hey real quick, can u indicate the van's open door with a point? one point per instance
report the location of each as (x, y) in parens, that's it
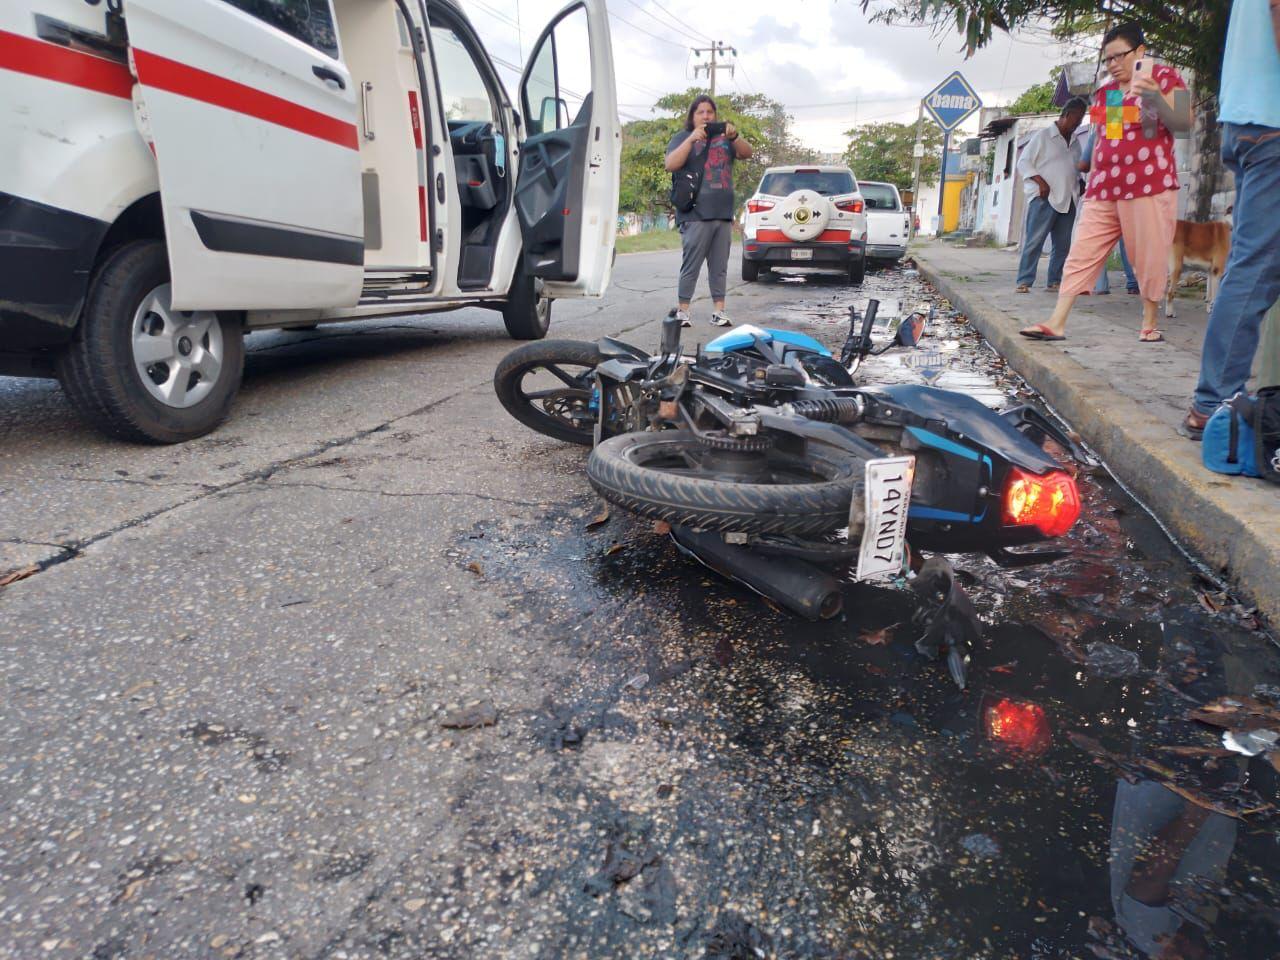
(253, 124)
(567, 189)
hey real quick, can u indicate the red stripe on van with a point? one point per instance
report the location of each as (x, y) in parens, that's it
(165, 74)
(415, 119)
(64, 65)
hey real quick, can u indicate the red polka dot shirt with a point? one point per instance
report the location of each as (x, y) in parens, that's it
(1134, 166)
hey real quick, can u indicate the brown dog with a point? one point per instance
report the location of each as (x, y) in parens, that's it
(1203, 245)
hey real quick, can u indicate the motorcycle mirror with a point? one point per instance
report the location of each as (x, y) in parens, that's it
(670, 335)
(911, 330)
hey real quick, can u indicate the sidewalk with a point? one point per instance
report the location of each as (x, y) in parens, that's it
(1126, 399)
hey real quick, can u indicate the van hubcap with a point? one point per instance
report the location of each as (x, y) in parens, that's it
(178, 354)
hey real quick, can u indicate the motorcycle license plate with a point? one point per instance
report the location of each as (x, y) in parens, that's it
(884, 535)
(801, 254)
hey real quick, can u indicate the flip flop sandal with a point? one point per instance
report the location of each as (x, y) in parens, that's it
(1040, 332)
(1052, 288)
(1150, 336)
(1022, 288)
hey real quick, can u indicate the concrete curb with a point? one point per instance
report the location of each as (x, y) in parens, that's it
(1232, 524)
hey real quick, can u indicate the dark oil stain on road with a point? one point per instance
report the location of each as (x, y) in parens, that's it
(827, 792)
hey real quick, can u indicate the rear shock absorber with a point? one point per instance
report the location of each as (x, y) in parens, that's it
(833, 410)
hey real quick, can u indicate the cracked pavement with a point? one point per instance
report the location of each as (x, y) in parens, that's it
(290, 587)
(358, 675)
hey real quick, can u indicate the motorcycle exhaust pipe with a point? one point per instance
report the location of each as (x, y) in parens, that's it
(795, 584)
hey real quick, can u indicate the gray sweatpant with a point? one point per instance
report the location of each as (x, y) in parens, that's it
(704, 240)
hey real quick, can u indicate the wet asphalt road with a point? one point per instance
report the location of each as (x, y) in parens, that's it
(227, 690)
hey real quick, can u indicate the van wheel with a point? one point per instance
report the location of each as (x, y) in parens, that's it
(750, 270)
(140, 370)
(526, 313)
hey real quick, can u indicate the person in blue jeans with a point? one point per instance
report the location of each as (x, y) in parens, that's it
(1103, 286)
(1048, 165)
(1249, 108)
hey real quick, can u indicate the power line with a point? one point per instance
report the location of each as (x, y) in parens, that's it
(701, 36)
(662, 23)
(614, 16)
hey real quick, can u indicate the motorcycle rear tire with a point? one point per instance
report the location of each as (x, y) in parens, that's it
(507, 382)
(618, 472)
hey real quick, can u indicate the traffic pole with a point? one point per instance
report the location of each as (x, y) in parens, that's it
(942, 178)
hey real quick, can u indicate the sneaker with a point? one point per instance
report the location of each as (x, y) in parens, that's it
(718, 319)
(683, 317)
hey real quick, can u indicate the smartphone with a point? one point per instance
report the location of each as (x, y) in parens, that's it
(1139, 69)
(715, 129)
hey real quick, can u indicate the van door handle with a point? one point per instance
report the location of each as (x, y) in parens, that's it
(440, 187)
(327, 73)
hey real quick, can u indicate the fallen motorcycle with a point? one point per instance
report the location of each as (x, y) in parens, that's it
(776, 469)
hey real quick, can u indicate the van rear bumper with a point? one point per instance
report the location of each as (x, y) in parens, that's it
(46, 258)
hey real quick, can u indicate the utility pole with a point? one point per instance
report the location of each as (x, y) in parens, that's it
(917, 154)
(716, 49)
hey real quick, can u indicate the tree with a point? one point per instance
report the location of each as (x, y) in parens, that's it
(1191, 34)
(764, 122)
(1035, 99)
(882, 151)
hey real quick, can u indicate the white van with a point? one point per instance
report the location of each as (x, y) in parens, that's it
(888, 222)
(175, 174)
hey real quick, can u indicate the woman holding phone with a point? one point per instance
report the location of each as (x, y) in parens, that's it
(1132, 190)
(706, 229)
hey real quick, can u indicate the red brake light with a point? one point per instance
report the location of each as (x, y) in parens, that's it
(757, 206)
(1017, 724)
(807, 170)
(1050, 503)
(850, 206)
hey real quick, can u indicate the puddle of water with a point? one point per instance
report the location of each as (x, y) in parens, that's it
(872, 809)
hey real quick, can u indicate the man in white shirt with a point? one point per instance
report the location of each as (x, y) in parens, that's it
(1051, 181)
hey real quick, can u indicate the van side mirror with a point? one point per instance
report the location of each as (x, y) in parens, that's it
(553, 110)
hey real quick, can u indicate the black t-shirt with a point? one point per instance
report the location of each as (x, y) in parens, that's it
(715, 199)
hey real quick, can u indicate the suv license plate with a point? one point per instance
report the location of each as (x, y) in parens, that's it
(884, 537)
(801, 254)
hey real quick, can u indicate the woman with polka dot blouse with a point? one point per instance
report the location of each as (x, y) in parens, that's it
(1132, 190)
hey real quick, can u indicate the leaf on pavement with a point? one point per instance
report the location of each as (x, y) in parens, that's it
(599, 520)
(1183, 751)
(476, 568)
(616, 548)
(1235, 712)
(661, 527)
(21, 574)
(1207, 602)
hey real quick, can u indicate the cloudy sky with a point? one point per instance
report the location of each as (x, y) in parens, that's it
(821, 58)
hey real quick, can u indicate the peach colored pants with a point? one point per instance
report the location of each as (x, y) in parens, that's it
(1147, 225)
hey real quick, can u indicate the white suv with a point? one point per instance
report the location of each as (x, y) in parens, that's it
(805, 216)
(888, 226)
(175, 175)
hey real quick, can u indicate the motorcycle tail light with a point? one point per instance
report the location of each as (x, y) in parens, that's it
(850, 206)
(759, 206)
(1050, 503)
(1017, 724)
